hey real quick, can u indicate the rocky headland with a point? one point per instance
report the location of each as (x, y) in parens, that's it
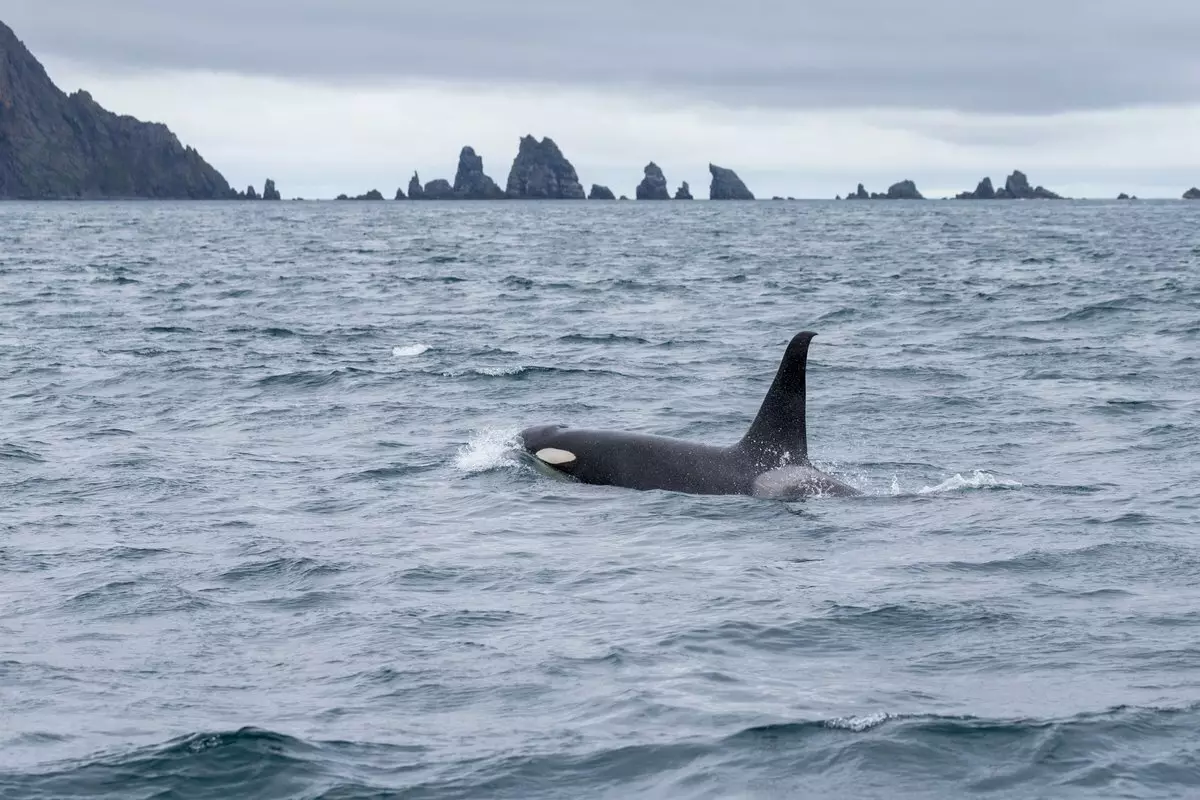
(59, 146)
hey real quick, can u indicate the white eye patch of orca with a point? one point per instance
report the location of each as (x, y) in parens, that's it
(552, 455)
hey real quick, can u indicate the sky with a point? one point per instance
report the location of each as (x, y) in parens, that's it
(804, 98)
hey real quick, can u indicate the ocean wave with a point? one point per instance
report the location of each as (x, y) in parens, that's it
(1138, 752)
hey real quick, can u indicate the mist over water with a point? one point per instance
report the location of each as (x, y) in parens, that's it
(263, 531)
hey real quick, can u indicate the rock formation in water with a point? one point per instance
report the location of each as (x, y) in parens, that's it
(623, 197)
(1016, 187)
(903, 190)
(59, 146)
(415, 190)
(469, 181)
(400, 195)
(858, 194)
(270, 192)
(726, 185)
(438, 189)
(1123, 196)
(540, 171)
(983, 191)
(249, 194)
(1192, 194)
(599, 192)
(653, 185)
(373, 194)
(684, 192)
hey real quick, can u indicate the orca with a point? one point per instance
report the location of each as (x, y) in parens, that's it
(770, 461)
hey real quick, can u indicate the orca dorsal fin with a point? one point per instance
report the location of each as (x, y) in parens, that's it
(779, 433)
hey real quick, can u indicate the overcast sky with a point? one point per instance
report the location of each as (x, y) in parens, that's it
(801, 98)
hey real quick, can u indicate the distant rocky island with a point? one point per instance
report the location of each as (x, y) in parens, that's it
(56, 146)
(540, 171)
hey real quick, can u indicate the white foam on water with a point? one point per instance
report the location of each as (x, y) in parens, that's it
(978, 480)
(487, 449)
(859, 724)
(410, 350)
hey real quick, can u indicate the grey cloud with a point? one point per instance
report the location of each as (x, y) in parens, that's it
(1023, 56)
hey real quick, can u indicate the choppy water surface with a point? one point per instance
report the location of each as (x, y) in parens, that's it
(262, 536)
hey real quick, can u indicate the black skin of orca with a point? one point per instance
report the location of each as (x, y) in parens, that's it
(770, 461)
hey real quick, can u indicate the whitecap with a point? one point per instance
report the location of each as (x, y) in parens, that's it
(410, 350)
(978, 480)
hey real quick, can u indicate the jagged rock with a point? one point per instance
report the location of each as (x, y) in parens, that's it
(1123, 196)
(251, 194)
(415, 190)
(599, 192)
(59, 146)
(623, 197)
(469, 181)
(270, 192)
(878, 196)
(653, 185)
(904, 190)
(776, 197)
(438, 189)
(400, 194)
(837, 197)
(373, 194)
(541, 171)
(1192, 194)
(858, 194)
(726, 185)
(684, 192)
(983, 191)
(1016, 187)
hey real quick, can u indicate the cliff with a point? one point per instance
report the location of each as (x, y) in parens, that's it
(57, 146)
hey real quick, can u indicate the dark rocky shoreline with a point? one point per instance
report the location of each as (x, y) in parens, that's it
(55, 146)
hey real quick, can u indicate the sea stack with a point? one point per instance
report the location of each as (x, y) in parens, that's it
(858, 194)
(270, 192)
(653, 185)
(415, 190)
(540, 171)
(683, 192)
(726, 185)
(983, 191)
(599, 192)
(904, 190)
(1192, 194)
(470, 183)
(59, 146)
(438, 189)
